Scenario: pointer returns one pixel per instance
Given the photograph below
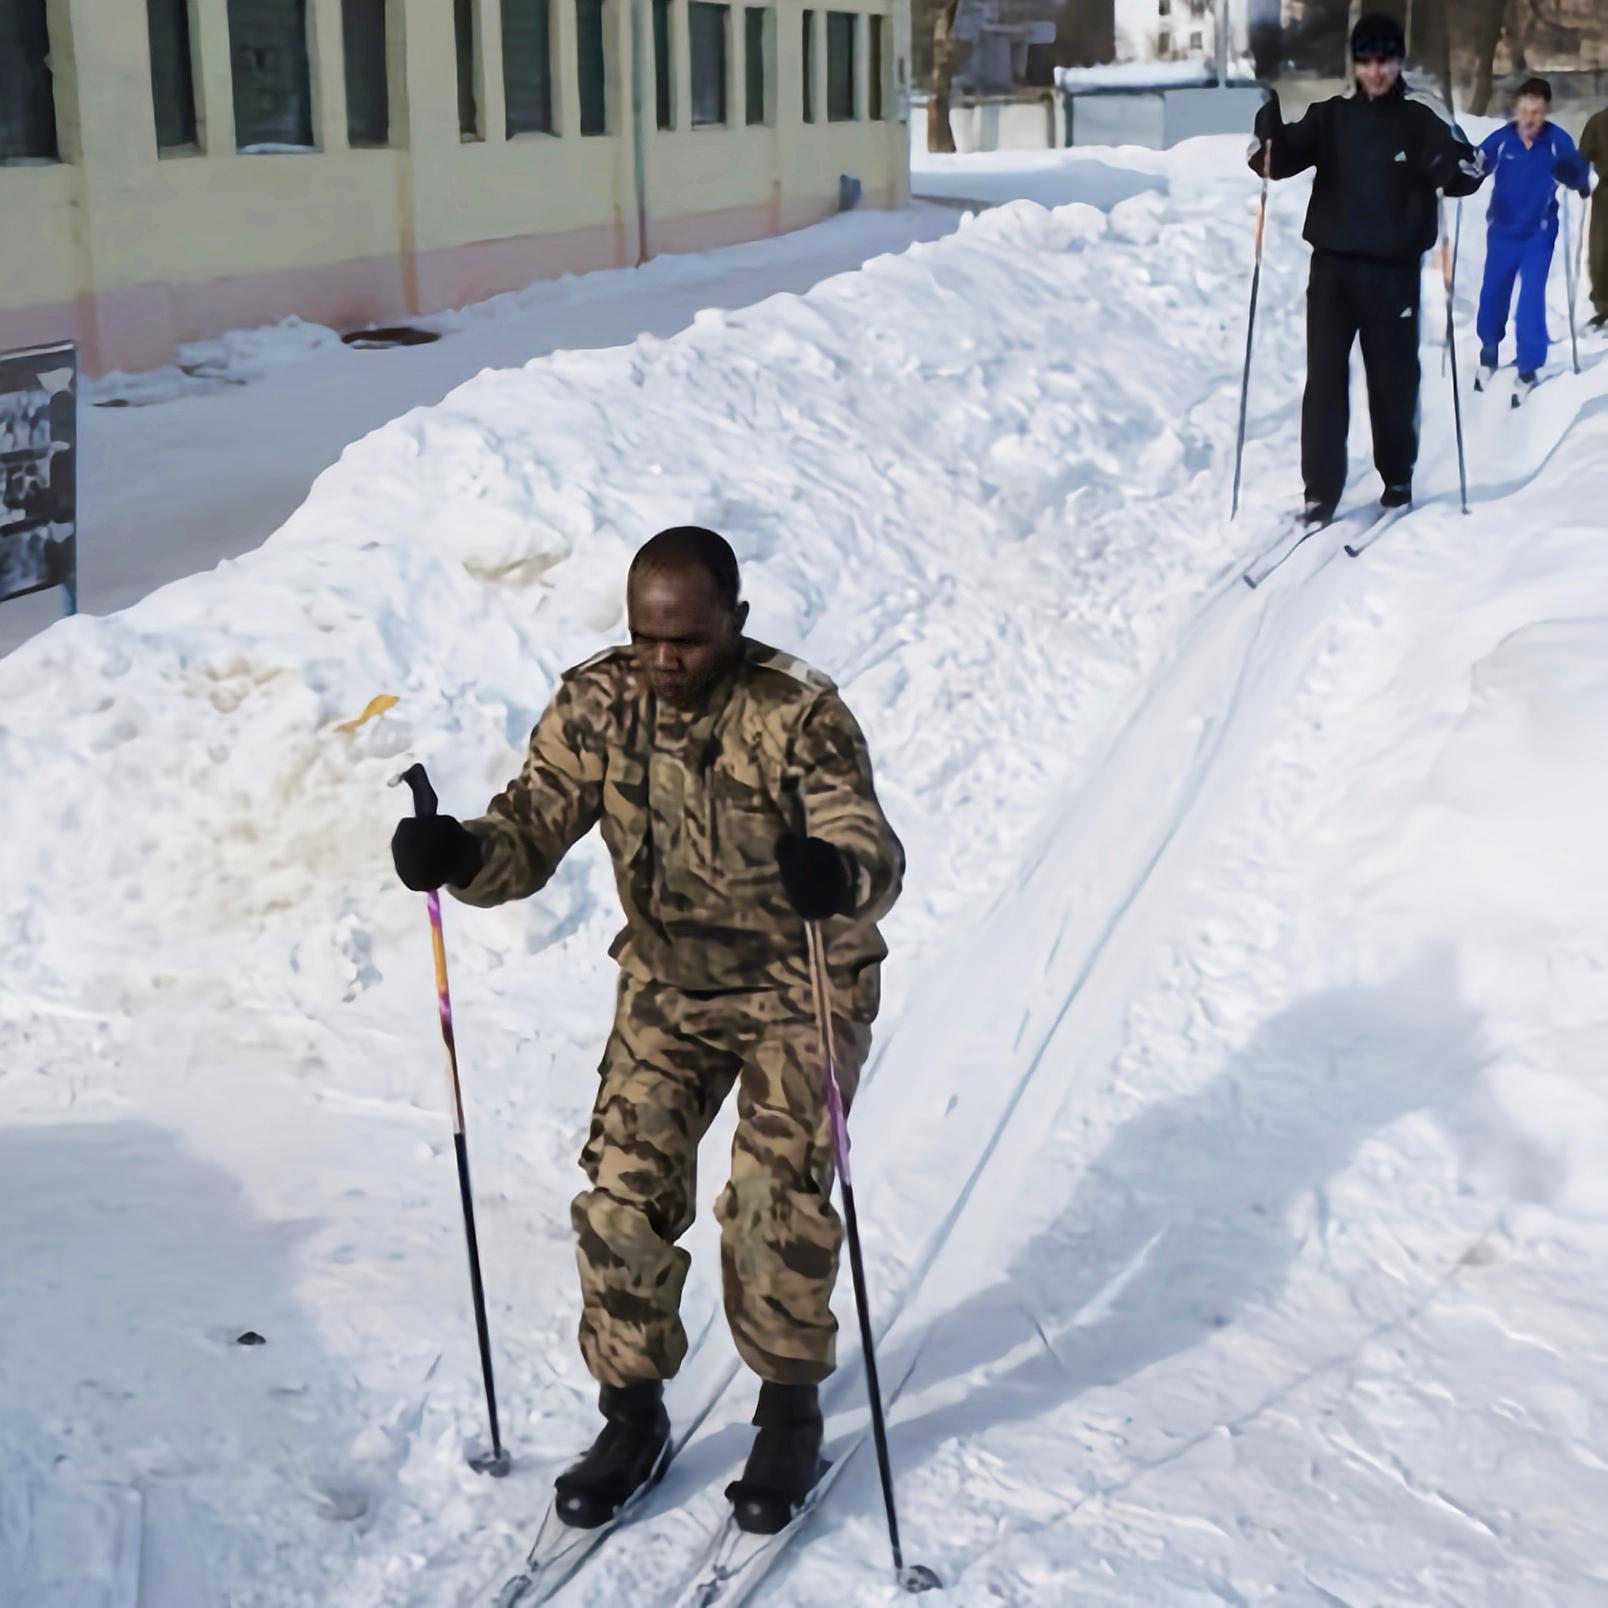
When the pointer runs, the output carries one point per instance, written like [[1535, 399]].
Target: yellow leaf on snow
[[376, 706]]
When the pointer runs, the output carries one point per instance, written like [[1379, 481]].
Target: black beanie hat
[[1378, 35]]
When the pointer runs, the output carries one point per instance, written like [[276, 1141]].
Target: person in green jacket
[[1594, 147]]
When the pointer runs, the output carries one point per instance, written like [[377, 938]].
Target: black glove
[[431, 849], [1269, 118], [817, 877]]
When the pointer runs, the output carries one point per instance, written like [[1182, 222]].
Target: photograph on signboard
[[38, 430]]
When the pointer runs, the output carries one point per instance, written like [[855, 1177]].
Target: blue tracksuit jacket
[[1523, 225]]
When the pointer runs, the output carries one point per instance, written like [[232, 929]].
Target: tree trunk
[[940, 137], [1517, 28], [1431, 41], [1487, 34]]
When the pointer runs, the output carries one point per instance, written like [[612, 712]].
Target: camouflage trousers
[[671, 1060]]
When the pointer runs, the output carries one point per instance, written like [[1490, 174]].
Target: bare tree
[[1431, 41], [1486, 20], [940, 137], [1518, 31]]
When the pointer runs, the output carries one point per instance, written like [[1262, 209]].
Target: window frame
[[876, 56], [809, 65], [466, 54], [38, 126], [307, 113], [547, 125], [589, 126], [697, 9], [664, 66], [847, 29], [363, 140], [189, 116], [766, 16]]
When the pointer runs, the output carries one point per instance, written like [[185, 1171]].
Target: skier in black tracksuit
[[1380, 158]]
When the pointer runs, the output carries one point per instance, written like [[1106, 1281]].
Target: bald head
[[692, 547], [685, 616]]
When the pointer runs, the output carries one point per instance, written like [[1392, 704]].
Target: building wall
[[132, 252], [1145, 32]]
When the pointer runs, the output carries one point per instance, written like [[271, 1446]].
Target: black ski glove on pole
[[818, 878], [1269, 118], [431, 849]]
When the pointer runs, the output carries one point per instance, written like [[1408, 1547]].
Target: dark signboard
[[38, 438]]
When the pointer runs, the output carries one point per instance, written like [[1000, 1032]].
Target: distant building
[[1173, 30], [173, 168]]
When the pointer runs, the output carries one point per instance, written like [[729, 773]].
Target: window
[[527, 66], [1194, 40], [27, 96], [875, 85], [754, 61], [1164, 8], [589, 45], [839, 66], [172, 81], [463, 27], [661, 61], [708, 25], [1164, 43], [368, 110], [809, 66], [273, 99]]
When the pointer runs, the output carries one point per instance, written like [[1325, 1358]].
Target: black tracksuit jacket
[[1373, 215]]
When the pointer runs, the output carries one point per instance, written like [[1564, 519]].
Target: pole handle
[[425, 802]]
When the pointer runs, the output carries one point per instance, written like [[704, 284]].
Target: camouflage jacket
[[691, 805]]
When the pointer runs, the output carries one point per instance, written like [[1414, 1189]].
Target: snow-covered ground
[[1232, 1163], [1089, 175], [231, 451]]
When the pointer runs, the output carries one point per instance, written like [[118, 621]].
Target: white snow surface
[[252, 418], [1232, 1162], [1138, 75]]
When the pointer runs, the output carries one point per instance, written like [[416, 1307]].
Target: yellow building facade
[[413, 162]]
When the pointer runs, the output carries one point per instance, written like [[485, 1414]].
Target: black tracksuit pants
[[1348, 297]]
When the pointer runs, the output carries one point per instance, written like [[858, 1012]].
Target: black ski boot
[[1315, 515], [1397, 496], [629, 1454], [785, 1461]]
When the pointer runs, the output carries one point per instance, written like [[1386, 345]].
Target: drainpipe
[[639, 134], [1222, 44]]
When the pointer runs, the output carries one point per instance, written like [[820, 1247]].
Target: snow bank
[[235, 358], [1136, 75]]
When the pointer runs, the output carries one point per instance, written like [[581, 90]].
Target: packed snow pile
[[1231, 1160], [1138, 75]]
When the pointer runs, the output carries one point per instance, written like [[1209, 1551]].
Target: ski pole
[[497, 1464], [1449, 273], [1587, 202], [1250, 325], [1569, 272], [916, 1577], [1447, 354]]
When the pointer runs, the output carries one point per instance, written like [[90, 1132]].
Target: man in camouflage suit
[[1594, 147], [734, 793]]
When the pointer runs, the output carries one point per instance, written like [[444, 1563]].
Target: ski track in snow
[[1231, 1157]]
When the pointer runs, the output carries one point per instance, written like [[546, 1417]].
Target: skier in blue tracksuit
[[1529, 158]]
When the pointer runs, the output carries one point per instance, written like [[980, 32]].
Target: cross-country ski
[[1378, 527], [981, 980]]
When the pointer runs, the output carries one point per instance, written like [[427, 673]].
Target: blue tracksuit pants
[[1529, 260]]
